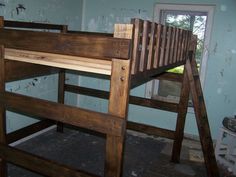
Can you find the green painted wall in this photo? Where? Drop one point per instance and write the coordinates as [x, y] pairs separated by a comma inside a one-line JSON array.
[[220, 86], [47, 11]]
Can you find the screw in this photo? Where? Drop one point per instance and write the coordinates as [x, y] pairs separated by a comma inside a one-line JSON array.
[[123, 67], [122, 79]]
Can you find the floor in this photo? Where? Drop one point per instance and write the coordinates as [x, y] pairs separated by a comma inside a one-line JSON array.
[[145, 156]]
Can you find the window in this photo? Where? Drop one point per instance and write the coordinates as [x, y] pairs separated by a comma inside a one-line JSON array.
[[192, 17]]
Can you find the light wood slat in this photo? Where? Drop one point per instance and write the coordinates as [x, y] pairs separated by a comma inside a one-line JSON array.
[[123, 31], [158, 44], [179, 44], [39, 164], [163, 46], [144, 51], [151, 47], [167, 51], [60, 61], [136, 44], [172, 48], [100, 122]]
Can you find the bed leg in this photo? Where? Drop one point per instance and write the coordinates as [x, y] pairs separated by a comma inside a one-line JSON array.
[[61, 95], [202, 118], [118, 106], [3, 165], [181, 117]]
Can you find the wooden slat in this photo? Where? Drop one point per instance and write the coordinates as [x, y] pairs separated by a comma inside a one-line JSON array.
[[144, 50], [151, 46], [136, 44], [179, 44], [67, 44], [61, 94], [3, 165], [176, 45], [175, 77], [168, 46], [32, 25], [173, 107], [103, 123], [39, 164], [151, 130], [18, 70], [157, 45], [141, 78], [183, 44], [172, 46], [163, 46], [60, 61], [29, 130]]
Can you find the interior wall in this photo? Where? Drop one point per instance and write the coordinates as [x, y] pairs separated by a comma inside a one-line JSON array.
[[219, 89], [46, 11]]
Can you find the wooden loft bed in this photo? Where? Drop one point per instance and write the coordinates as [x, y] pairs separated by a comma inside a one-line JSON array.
[[137, 53]]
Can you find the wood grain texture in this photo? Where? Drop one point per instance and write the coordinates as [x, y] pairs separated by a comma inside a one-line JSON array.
[[158, 104], [100, 122], [19, 70], [137, 32], [3, 165], [151, 130], [157, 46], [181, 117], [202, 118], [119, 95], [144, 48], [39, 164], [151, 47], [61, 94], [67, 44], [60, 61], [28, 130]]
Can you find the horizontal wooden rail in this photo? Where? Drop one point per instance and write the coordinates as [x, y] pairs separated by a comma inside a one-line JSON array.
[[148, 75], [60, 61], [173, 107], [29, 130], [66, 44], [151, 130], [20, 70], [100, 122], [169, 76], [39, 164], [33, 25]]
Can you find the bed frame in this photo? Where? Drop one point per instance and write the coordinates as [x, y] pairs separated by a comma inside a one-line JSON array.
[[135, 54]]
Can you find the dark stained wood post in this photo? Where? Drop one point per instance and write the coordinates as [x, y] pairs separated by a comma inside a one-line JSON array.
[[61, 85], [3, 165], [181, 117], [200, 112], [118, 106]]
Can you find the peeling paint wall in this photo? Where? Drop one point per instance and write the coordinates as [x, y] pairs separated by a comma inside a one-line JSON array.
[[47, 11], [220, 86]]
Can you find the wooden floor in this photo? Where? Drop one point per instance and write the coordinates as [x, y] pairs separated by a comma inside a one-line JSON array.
[[144, 156]]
